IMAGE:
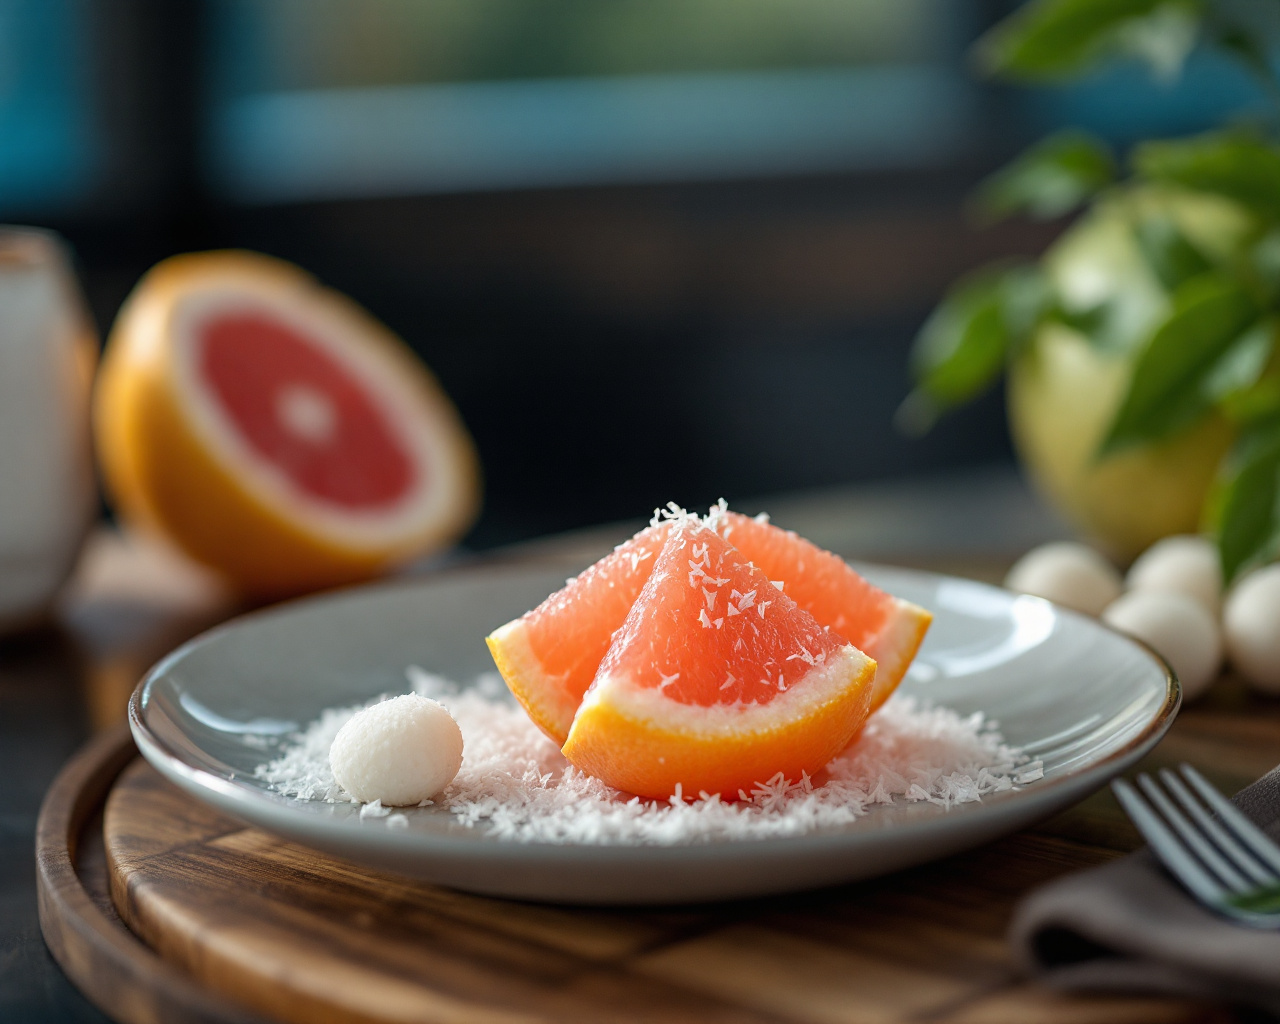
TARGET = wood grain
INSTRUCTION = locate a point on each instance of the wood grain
(77, 918)
(301, 937)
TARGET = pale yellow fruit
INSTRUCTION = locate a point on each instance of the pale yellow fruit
(1062, 396)
(1064, 391)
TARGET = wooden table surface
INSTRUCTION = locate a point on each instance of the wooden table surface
(921, 945)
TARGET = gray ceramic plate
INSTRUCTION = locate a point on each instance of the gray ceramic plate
(1085, 700)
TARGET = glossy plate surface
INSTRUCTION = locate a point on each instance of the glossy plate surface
(1085, 700)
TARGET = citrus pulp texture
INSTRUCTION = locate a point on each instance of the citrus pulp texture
(887, 629)
(549, 655)
(274, 431)
(716, 681)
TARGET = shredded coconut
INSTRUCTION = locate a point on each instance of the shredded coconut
(516, 785)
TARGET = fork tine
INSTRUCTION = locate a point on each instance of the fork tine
(1253, 837)
(1231, 848)
(1190, 836)
(1166, 845)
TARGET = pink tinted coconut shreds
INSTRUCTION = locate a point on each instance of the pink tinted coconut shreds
(516, 785)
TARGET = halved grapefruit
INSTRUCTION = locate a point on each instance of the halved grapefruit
(273, 430)
(716, 681)
(549, 655)
(887, 628)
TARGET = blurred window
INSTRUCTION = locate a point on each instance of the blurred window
(345, 98)
(340, 99)
(48, 133)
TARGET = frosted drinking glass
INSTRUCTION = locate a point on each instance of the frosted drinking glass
(48, 352)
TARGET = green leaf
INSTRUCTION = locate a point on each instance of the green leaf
(1248, 33)
(1247, 505)
(1244, 46)
(1163, 39)
(1229, 164)
(1026, 297)
(1260, 402)
(959, 351)
(1240, 367)
(1167, 390)
(1092, 323)
(1264, 262)
(1050, 179)
(1172, 258)
(962, 347)
(1048, 40)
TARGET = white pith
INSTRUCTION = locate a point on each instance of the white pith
(821, 686)
(425, 431)
(891, 646)
(551, 700)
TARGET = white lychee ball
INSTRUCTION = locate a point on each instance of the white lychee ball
(1179, 628)
(1069, 574)
(1251, 623)
(401, 751)
(1180, 565)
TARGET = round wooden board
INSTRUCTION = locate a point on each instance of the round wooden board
(242, 927)
(111, 966)
(306, 938)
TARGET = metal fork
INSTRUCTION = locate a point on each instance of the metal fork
(1218, 854)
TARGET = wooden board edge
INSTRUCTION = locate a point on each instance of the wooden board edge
(112, 967)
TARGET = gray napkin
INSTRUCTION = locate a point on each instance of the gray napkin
(1127, 926)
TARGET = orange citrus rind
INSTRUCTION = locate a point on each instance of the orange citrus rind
(896, 646)
(644, 743)
(542, 695)
(548, 665)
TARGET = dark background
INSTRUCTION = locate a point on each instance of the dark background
(611, 344)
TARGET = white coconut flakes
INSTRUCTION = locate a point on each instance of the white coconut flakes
(515, 784)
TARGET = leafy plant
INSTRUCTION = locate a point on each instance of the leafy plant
(1212, 352)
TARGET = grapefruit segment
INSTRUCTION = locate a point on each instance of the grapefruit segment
(887, 628)
(716, 680)
(549, 655)
(273, 430)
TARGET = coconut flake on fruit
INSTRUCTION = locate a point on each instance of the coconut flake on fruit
(886, 628)
(710, 686)
(549, 655)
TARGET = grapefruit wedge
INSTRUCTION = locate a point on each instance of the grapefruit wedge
(716, 681)
(273, 430)
(549, 655)
(887, 628)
